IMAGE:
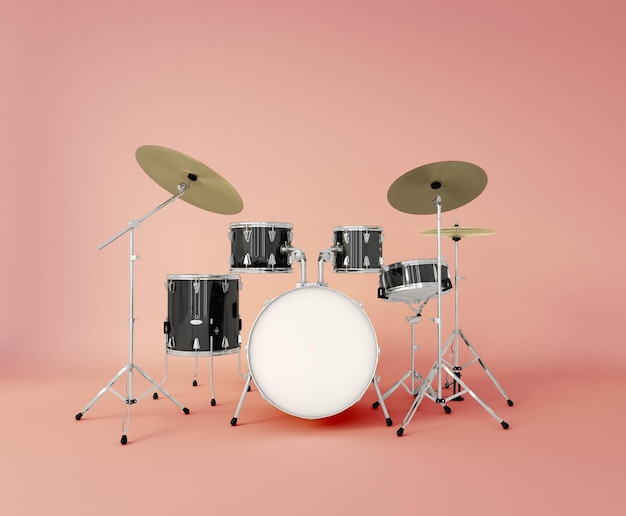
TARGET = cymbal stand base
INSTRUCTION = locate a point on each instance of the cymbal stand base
(426, 389)
(458, 368)
(246, 389)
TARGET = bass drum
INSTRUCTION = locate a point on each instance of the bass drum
(312, 352)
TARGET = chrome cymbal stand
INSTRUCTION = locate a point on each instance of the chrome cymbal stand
(454, 339)
(440, 364)
(128, 398)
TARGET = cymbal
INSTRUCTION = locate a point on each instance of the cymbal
(206, 188)
(457, 182)
(458, 232)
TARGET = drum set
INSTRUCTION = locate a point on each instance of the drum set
(288, 343)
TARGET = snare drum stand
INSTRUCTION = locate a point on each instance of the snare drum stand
(440, 365)
(454, 338)
(131, 367)
(411, 373)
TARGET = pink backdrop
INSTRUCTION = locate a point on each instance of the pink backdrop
(311, 110)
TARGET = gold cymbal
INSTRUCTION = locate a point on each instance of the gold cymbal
(458, 232)
(457, 182)
(206, 188)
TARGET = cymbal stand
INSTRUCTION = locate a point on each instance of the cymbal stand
(440, 365)
(129, 369)
(454, 339)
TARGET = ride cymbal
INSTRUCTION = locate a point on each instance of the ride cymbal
(457, 182)
(458, 232)
(206, 188)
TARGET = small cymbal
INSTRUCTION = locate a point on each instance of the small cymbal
(206, 188)
(458, 232)
(457, 182)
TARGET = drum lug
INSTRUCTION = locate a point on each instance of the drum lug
(346, 237)
(366, 262)
(246, 234)
(247, 260)
(271, 261)
(272, 234)
(231, 235)
(171, 286)
(225, 343)
(196, 344)
(225, 286)
(171, 343)
(366, 237)
(346, 262)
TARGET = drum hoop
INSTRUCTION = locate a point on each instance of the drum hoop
(357, 228)
(259, 270)
(179, 353)
(418, 261)
(282, 225)
(217, 277)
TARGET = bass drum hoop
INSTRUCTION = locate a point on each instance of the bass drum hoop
(289, 359)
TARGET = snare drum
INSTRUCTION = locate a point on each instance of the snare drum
(260, 246)
(312, 352)
(359, 248)
(203, 314)
(412, 280)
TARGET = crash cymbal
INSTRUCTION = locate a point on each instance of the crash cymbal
(458, 232)
(457, 182)
(206, 188)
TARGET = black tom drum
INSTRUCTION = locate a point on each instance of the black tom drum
(203, 314)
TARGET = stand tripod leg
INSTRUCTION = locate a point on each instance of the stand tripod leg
(162, 389)
(484, 366)
(246, 388)
(195, 372)
(211, 378)
(102, 391)
(381, 401)
(504, 424)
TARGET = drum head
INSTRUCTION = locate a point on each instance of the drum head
(312, 352)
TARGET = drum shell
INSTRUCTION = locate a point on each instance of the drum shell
(260, 246)
(203, 309)
(358, 248)
(312, 352)
(413, 280)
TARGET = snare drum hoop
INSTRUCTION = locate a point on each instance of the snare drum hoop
(373, 268)
(403, 292)
(291, 363)
(254, 270)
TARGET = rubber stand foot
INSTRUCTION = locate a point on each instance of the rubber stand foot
(155, 396)
(233, 421)
(185, 410)
(459, 398)
(388, 421)
(509, 403)
(447, 409)
(124, 439)
(505, 425)
(400, 432)
(213, 402)
(195, 383)
(249, 388)
(79, 416)
(375, 405)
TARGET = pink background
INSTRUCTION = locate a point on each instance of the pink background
(311, 110)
